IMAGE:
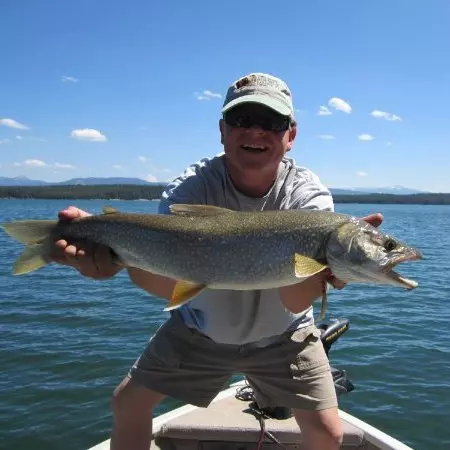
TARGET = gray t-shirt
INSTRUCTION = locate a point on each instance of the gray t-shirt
(242, 317)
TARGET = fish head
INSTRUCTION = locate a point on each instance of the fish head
(357, 252)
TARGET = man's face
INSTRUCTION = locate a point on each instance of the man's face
(255, 139)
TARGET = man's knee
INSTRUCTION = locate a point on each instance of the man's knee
(130, 399)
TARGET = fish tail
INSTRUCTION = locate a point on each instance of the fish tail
(30, 231)
(33, 257)
(36, 235)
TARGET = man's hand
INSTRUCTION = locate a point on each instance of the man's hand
(374, 219)
(91, 260)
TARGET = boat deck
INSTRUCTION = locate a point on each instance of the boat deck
(229, 424)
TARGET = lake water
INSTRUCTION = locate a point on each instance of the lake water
(66, 341)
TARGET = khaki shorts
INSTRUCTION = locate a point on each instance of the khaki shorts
(184, 364)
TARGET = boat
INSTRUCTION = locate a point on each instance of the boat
(233, 421)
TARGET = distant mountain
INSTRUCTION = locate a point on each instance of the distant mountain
(21, 181)
(346, 191)
(24, 181)
(90, 181)
(108, 180)
(396, 190)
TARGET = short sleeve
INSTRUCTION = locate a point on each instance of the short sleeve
(309, 192)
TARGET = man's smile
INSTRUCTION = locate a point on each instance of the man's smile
(254, 148)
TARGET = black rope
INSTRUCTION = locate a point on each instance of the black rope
(246, 394)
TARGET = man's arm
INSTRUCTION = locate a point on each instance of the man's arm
(156, 285)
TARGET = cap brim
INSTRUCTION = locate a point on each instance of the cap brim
(265, 100)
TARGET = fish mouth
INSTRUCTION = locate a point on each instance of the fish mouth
(413, 255)
(254, 148)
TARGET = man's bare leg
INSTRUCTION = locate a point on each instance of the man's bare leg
(132, 407)
(321, 430)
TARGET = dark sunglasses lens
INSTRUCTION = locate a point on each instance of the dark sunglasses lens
(266, 122)
(281, 124)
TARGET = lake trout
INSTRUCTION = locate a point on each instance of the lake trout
(216, 248)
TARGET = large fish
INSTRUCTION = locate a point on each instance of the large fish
(216, 248)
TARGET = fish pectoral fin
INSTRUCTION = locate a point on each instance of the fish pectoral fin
(182, 293)
(305, 267)
(33, 257)
(109, 210)
(197, 210)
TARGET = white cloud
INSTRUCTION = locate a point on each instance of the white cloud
(361, 173)
(117, 166)
(388, 143)
(326, 137)
(19, 138)
(64, 166)
(207, 95)
(365, 137)
(88, 134)
(385, 115)
(340, 105)
(4, 141)
(212, 94)
(151, 178)
(66, 79)
(142, 159)
(324, 111)
(11, 123)
(34, 163)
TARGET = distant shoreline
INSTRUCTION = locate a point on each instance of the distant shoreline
(145, 192)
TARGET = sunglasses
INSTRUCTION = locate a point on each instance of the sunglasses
(264, 119)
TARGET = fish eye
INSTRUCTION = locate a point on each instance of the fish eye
(390, 245)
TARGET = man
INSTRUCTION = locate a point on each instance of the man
(268, 335)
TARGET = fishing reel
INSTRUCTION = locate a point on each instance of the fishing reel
(330, 333)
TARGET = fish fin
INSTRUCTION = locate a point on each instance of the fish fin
(182, 293)
(33, 257)
(30, 231)
(109, 210)
(305, 267)
(197, 210)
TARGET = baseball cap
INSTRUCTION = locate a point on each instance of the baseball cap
(260, 88)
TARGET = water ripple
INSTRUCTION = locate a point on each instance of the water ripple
(66, 342)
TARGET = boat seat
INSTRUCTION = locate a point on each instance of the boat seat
(229, 424)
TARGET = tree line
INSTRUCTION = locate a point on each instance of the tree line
(153, 192)
(77, 192)
(409, 199)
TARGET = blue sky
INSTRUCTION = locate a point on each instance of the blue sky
(109, 88)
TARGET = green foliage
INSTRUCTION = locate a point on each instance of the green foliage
(77, 192)
(410, 199)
